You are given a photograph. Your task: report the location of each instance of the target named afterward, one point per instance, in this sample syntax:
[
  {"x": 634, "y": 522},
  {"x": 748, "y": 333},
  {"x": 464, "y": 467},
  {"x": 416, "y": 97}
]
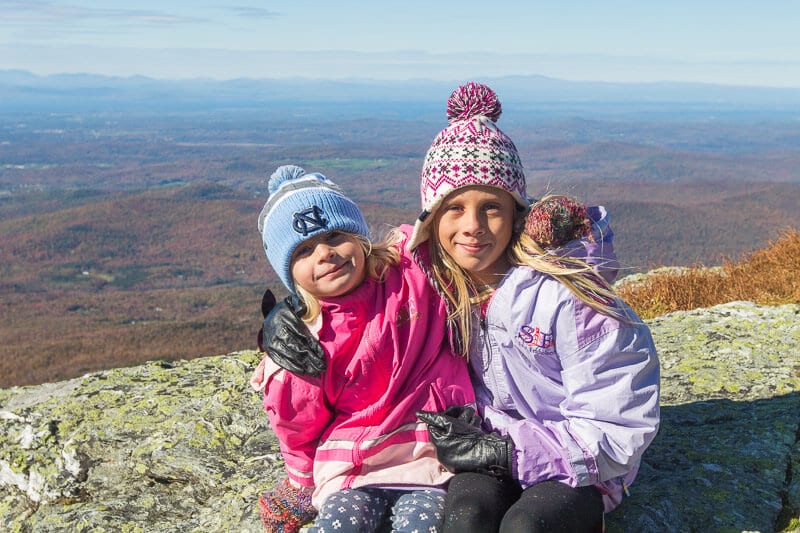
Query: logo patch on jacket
[
  {"x": 308, "y": 220},
  {"x": 407, "y": 313},
  {"x": 535, "y": 337}
]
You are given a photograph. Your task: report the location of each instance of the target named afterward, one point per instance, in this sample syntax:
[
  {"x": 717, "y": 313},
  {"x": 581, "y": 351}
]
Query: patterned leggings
[{"x": 376, "y": 510}]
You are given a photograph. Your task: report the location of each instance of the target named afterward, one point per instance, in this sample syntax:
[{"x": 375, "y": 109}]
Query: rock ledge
[{"x": 185, "y": 446}]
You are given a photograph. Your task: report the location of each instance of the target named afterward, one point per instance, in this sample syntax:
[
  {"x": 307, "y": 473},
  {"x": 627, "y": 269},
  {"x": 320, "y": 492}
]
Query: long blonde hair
[
  {"x": 457, "y": 286},
  {"x": 379, "y": 258}
]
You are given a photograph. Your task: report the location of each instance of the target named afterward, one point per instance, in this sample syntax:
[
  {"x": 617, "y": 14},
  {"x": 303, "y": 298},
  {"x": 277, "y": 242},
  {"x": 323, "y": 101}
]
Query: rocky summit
[{"x": 185, "y": 446}]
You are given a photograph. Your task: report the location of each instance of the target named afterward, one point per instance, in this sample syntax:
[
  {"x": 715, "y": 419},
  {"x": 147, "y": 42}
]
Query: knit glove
[
  {"x": 286, "y": 338},
  {"x": 286, "y": 508},
  {"x": 462, "y": 446}
]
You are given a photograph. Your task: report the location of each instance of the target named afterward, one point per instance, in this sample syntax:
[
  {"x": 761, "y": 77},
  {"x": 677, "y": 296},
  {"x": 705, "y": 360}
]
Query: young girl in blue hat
[{"x": 356, "y": 456}]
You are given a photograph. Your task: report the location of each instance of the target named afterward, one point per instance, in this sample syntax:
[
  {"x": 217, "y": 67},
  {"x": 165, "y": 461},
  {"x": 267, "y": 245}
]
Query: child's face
[
  {"x": 474, "y": 226},
  {"x": 329, "y": 265}
]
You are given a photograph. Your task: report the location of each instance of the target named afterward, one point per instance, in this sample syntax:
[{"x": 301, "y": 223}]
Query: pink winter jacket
[{"x": 388, "y": 356}]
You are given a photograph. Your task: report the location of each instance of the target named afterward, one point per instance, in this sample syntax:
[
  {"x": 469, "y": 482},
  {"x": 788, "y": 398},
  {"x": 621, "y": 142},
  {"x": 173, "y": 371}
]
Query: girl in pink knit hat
[{"x": 566, "y": 375}]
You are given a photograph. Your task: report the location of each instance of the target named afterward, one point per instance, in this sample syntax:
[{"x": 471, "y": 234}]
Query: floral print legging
[{"x": 377, "y": 510}]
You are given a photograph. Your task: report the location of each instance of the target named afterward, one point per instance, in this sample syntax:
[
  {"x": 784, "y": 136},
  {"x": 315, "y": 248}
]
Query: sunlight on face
[
  {"x": 474, "y": 226},
  {"x": 329, "y": 265}
]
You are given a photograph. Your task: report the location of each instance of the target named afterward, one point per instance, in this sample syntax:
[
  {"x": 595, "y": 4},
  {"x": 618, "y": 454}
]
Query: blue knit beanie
[{"x": 299, "y": 207}]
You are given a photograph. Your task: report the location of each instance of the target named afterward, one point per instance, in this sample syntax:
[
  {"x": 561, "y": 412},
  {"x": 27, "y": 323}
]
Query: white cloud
[{"x": 250, "y": 12}]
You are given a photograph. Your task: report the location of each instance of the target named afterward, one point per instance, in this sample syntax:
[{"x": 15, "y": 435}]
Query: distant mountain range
[
  {"x": 24, "y": 91},
  {"x": 127, "y": 205}
]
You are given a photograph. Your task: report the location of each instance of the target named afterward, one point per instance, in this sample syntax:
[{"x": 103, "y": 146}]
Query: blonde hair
[
  {"x": 379, "y": 258},
  {"x": 458, "y": 287}
]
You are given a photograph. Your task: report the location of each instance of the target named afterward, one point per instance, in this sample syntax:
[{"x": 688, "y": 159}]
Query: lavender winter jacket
[{"x": 578, "y": 392}]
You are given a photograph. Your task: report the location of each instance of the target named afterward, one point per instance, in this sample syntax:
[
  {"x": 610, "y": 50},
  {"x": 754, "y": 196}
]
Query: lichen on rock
[
  {"x": 723, "y": 458},
  {"x": 166, "y": 446},
  {"x": 186, "y": 446}
]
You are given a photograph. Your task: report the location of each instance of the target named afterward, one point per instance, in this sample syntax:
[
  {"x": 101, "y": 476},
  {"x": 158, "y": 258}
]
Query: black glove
[
  {"x": 462, "y": 446},
  {"x": 267, "y": 304},
  {"x": 286, "y": 338}
]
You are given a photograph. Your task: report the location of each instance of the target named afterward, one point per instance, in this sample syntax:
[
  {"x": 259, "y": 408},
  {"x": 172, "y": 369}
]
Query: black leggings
[{"x": 480, "y": 503}]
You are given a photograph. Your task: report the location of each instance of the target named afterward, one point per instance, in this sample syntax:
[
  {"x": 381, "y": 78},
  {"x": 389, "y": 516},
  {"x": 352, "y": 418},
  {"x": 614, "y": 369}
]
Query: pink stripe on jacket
[{"x": 388, "y": 356}]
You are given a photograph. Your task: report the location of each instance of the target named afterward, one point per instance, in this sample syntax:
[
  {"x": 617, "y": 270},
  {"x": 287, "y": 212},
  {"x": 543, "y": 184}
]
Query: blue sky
[{"x": 729, "y": 42}]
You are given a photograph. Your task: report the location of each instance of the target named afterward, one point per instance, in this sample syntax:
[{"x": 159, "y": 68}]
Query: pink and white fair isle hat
[{"x": 472, "y": 150}]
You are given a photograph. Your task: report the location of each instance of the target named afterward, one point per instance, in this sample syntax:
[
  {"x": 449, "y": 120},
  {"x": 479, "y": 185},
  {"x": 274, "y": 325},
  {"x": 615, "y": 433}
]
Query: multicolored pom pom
[
  {"x": 556, "y": 220},
  {"x": 473, "y": 99}
]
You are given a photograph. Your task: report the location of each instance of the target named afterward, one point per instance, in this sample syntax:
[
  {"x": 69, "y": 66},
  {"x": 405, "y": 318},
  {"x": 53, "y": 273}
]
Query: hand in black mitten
[
  {"x": 462, "y": 446},
  {"x": 286, "y": 338}
]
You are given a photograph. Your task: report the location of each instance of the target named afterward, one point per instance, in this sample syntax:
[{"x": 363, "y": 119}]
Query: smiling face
[
  {"x": 474, "y": 226},
  {"x": 328, "y": 265}
]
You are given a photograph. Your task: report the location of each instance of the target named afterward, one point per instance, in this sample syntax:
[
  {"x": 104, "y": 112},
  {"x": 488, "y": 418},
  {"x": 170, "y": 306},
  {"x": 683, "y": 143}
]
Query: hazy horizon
[{"x": 713, "y": 42}]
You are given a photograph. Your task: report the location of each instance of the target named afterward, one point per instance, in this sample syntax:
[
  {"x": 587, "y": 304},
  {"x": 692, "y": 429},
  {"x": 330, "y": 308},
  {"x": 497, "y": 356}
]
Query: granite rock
[{"x": 186, "y": 446}]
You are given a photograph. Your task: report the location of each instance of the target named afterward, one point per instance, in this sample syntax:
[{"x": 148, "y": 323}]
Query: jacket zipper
[{"x": 488, "y": 349}]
